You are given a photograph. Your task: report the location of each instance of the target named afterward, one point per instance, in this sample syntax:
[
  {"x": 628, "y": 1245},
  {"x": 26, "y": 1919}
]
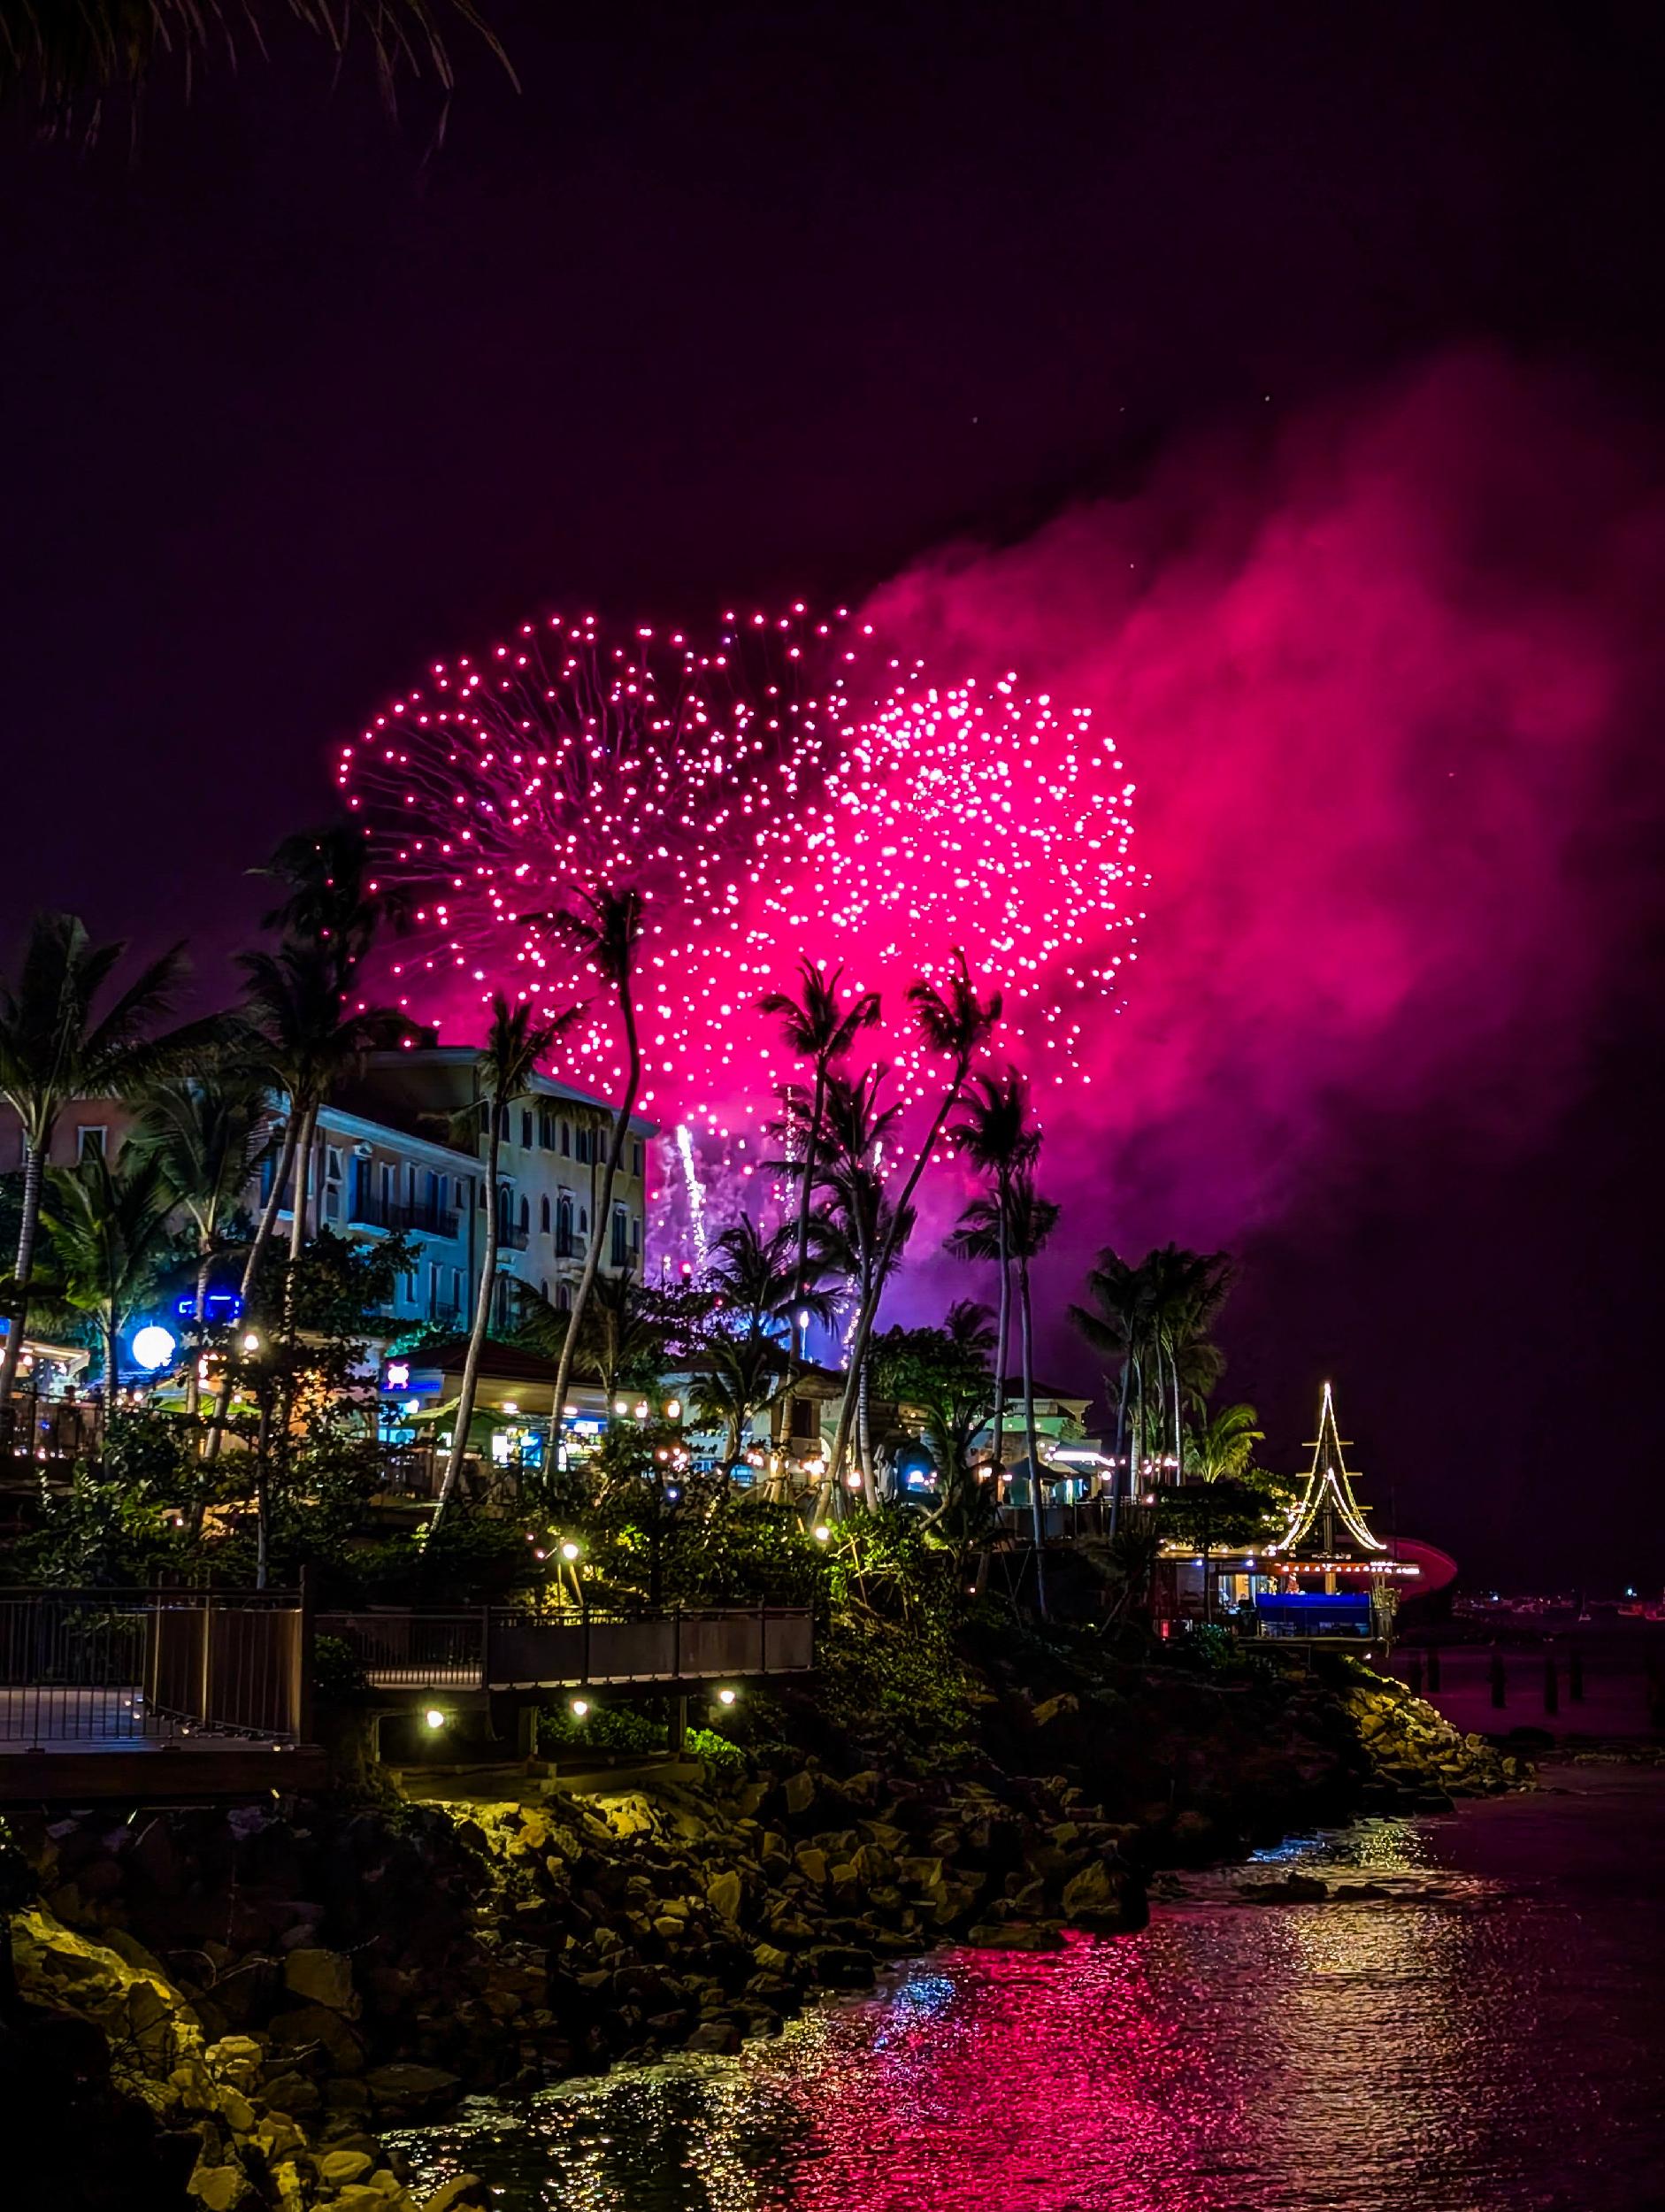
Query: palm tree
[
  {"x": 111, "y": 1241},
  {"x": 207, "y": 1139},
  {"x": 1222, "y": 1449},
  {"x": 1014, "y": 1224},
  {"x": 1000, "y": 1142},
  {"x": 954, "y": 1025},
  {"x": 1031, "y": 1222},
  {"x": 1185, "y": 1292},
  {"x": 857, "y": 1230},
  {"x": 55, "y": 1046},
  {"x": 1119, "y": 1331},
  {"x": 1153, "y": 1319},
  {"x": 607, "y": 929},
  {"x": 506, "y": 1065},
  {"x": 330, "y": 899},
  {"x": 820, "y": 1031},
  {"x": 71, "y": 58},
  {"x": 757, "y": 1284},
  {"x": 302, "y": 1039}
]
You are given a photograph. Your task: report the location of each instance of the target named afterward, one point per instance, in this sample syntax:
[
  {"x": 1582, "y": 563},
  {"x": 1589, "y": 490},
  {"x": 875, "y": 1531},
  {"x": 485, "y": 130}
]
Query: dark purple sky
[{"x": 743, "y": 301}]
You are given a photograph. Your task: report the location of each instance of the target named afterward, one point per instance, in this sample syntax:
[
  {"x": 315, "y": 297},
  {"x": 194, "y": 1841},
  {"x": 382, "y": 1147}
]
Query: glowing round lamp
[
  {"x": 579, "y": 1707},
  {"x": 153, "y": 1346},
  {"x": 727, "y": 1697},
  {"x": 434, "y": 1717}
]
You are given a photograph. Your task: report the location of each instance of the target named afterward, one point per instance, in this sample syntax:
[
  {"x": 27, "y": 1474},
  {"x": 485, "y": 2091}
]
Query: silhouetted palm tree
[
  {"x": 506, "y": 1063},
  {"x": 818, "y": 1030},
  {"x": 72, "y": 56},
  {"x": 56, "y": 1045},
  {"x": 1015, "y": 1225},
  {"x": 954, "y": 1025},
  {"x": 998, "y": 1137},
  {"x": 606, "y": 929},
  {"x": 757, "y": 1284},
  {"x": 110, "y": 1242},
  {"x": 207, "y": 1139}
]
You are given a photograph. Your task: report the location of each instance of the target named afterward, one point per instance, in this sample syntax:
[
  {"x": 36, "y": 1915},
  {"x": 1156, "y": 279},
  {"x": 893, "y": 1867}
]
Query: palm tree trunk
[
  {"x": 1121, "y": 1442},
  {"x": 864, "y": 1445},
  {"x": 112, "y": 1360},
  {"x": 599, "y": 1218},
  {"x": 29, "y": 1230},
  {"x": 1002, "y": 1350},
  {"x": 199, "y": 1314},
  {"x": 1180, "y": 1435},
  {"x": 302, "y": 1182},
  {"x": 1026, "y": 1335},
  {"x": 477, "y": 1335},
  {"x": 804, "y": 1197},
  {"x": 266, "y": 1228},
  {"x": 869, "y": 1311}
]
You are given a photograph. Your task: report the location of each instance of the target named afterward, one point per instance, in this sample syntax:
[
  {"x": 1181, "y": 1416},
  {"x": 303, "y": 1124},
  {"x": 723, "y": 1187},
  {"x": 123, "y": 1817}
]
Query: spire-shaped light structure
[{"x": 1326, "y": 1505}]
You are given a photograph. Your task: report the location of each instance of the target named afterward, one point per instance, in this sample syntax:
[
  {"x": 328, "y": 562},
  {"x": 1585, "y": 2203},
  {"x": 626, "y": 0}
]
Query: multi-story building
[
  {"x": 402, "y": 1151},
  {"x": 552, "y": 1156}
]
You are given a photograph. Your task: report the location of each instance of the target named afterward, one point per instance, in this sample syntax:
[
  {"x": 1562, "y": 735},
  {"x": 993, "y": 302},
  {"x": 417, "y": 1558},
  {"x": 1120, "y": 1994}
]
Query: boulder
[
  {"x": 336, "y": 2168},
  {"x": 406, "y": 2086},
  {"x": 317, "y": 2024},
  {"x": 463, "y": 2193},
  {"x": 719, "y": 2037},
  {"x": 723, "y": 1894},
  {"x": 324, "y": 1977},
  {"x": 218, "y": 2188},
  {"x": 799, "y": 1791}
]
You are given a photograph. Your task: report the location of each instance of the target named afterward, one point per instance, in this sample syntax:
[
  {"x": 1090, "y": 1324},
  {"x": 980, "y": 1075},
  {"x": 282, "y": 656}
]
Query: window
[
  {"x": 635, "y": 1158},
  {"x": 434, "y": 1290},
  {"x": 635, "y": 1233},
  {"x": 566, "y": 1140},
  {"x": 525, "y": 1218},
  {"x": 564, "y": 1228},
  {"x": 621, "y": 1237},
  {"x": 92, "y": 1142},
  {"x": 543, "y": 1292},
  {"x": 583, "y": 1222},
  {"x": 331, "y": 1184},
  {"x": 563, "y": 1297},
  {"x": 545, "y": 1129},
  {"x": 805, "y": 1425},
  {"x": 525, "y": 1129},
  {"x": 543, "y": 1213},
  {"x": 457, "y": 1290}
]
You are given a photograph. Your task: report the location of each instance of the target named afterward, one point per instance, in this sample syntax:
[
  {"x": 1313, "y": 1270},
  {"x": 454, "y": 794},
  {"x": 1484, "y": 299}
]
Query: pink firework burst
[{"x": 785, "y": 791}]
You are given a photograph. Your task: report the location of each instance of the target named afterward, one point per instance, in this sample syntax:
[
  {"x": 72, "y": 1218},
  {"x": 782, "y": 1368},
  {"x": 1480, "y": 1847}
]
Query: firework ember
[{"x": 787, "y": 790}]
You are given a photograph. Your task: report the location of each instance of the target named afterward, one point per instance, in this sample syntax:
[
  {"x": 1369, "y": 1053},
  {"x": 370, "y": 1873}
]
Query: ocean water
[{"x": 1489, "y": 2034}]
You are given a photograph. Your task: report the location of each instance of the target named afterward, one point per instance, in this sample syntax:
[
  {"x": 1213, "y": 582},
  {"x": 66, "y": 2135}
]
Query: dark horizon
[{"x": 764, "y": 304}]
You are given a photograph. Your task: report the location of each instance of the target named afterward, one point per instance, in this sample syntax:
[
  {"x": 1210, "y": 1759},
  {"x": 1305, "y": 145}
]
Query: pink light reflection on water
[{"x": 1481, "y": 2039}]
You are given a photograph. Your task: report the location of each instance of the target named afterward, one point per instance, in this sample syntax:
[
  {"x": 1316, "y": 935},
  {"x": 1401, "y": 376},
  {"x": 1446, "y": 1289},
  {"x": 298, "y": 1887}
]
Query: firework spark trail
[{"x": 786, "y": 791}]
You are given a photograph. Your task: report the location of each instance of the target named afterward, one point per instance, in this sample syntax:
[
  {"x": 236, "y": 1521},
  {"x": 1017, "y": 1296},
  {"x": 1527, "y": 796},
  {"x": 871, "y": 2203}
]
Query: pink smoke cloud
[{"x": 1378, "y": 680}]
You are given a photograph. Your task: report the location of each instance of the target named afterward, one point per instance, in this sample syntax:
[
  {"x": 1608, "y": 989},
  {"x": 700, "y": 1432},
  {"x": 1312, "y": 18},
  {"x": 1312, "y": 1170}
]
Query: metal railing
[
  {"x": 369, "y": 1211},
  {"x": 111, "y": 1666},
  {"x": 500, "y": 1649}
]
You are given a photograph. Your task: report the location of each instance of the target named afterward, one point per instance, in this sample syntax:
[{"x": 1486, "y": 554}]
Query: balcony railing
[
  {"x": 499, "y": 1648},
  {"x": 512, "y": 1238},
  {"x": 370, "y": 1211},
  {"x": 92, "y": 1666}
]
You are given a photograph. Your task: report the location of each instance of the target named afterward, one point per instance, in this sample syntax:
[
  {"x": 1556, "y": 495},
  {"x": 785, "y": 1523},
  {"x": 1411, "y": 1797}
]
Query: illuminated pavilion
[{"x": 1336, "y": 1578}]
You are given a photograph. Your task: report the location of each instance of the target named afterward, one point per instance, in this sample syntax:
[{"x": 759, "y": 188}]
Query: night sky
[{"x": 732, "y": 302}]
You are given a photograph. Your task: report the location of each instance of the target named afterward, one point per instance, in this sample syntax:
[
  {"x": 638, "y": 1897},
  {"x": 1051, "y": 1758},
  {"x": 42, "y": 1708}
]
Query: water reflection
[{"x": 1442, "y": 2047}]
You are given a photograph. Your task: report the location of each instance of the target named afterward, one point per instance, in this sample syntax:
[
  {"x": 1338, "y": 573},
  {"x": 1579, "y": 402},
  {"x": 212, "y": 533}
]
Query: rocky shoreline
[{"x": 277, "y": 1986}]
